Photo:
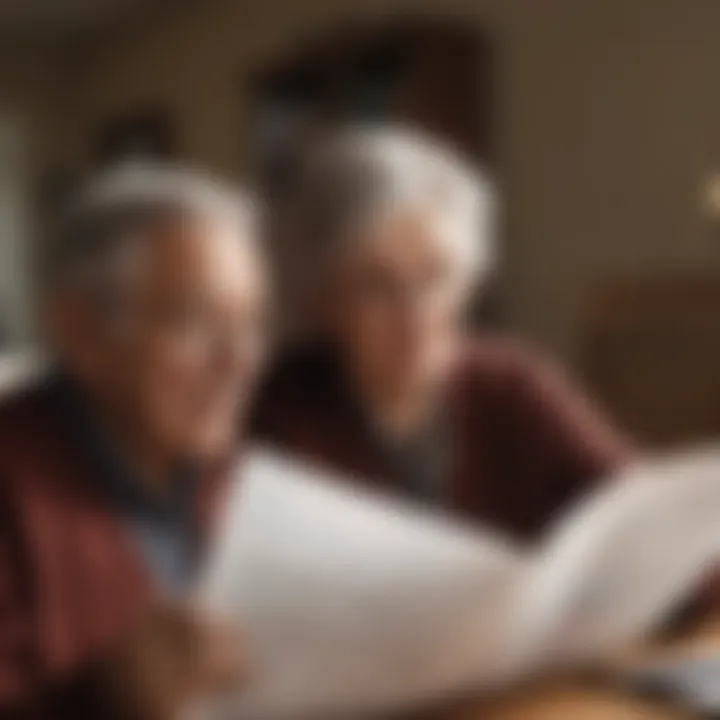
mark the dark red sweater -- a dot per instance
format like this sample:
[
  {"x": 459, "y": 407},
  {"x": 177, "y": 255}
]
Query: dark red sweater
[
  {"x": 524, "y": 442},
  {"x": 71, "y": 578}
]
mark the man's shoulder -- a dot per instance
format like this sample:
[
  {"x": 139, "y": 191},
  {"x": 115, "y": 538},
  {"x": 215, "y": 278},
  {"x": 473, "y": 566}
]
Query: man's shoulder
[
  {"x": 19, "y": 409},
  {"x": 27, "y": 426}
]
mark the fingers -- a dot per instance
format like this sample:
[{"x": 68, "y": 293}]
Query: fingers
[
  {"x": 204, "y": 652},
  {"x": 177, "y": 654},
  {"x": 221, "y": 658}
]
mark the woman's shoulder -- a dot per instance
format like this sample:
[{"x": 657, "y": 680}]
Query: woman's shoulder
[
  {"x": 523, "y": 384},
  {"x": 502, "y": 363},
  {"x": 32, "y": 439}
]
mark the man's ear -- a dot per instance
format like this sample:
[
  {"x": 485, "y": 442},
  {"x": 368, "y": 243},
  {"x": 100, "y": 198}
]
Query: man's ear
[{"x": 71, "y": 325}]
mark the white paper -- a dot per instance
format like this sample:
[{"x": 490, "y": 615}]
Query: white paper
[
  {"x": 623, "y": 559},
  {"x": 351, "y": 603}
]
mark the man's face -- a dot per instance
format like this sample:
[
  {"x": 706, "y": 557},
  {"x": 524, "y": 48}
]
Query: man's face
[
  {"x": 180, "y": 353},
  {"x": 400, "y": 304}
]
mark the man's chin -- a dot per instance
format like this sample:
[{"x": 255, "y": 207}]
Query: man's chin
[{"x": 210, "y": 447}]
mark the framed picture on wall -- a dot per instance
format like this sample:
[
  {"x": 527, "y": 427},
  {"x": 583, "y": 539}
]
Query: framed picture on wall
[
  {"x": 420, "y": 72},
  {"x": 140, "y": 135}
]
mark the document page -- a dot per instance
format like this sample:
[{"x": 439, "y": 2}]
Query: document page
[
  {"x": 622, "y": 560},
  {"x": 351, "y": 603}
]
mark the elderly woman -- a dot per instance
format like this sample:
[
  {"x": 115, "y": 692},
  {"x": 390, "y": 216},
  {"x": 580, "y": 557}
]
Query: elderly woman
[
  {"x": 153, "y": 304},
  {"x": 393, "y": 389}
]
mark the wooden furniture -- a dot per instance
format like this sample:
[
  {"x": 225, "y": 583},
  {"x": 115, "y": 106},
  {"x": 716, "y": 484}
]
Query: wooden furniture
[
  {"x": 565, "y": 700},
  {"x": 433, "y": 75},
  {"x": 568, "y": 703}
]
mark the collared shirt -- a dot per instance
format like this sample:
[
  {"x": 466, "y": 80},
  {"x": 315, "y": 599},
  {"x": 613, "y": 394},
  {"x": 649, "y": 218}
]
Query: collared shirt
[
  {"x": 163, "y": 527},
  {"x": 418, "y": 463}
]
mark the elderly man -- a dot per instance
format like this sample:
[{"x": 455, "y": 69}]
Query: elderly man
[
  {"x": 110, "y": 468},
  {"x": 392, "y": 388}
]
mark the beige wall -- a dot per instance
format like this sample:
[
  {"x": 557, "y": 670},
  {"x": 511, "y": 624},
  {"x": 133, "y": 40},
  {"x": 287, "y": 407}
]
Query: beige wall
[
  {"x": 608, "y": 117},
  {"x": 612, "y": 120},
  {"x": 35, "y": 88},
  {"x": 35, "y": 122}
]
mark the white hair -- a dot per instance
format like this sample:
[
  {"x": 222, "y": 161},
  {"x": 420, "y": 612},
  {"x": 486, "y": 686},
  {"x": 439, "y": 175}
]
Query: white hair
[
  {"x": 126, "y": 202},
  {"x": 365, "y": 174}
]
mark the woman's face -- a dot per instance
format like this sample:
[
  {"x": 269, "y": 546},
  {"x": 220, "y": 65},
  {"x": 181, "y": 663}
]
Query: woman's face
[{"x": 400, "y": 296}]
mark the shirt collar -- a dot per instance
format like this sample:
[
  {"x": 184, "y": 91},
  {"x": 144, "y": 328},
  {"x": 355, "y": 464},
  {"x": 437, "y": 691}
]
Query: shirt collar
[{"x": 119, "y": 479}]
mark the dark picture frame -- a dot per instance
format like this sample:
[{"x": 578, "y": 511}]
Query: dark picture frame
[{"x": 145, "y": 134}]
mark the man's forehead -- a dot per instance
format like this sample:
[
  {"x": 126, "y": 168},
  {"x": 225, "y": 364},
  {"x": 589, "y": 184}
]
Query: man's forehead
[{"x": 199, "y": 250}]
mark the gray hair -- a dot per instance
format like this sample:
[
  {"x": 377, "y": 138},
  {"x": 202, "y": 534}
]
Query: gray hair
[
  {"x": 125, "y": 203},
  {"x": 365, "y": 173}
]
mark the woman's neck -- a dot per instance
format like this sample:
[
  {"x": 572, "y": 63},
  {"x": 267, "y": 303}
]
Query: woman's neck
[{"x": 400, "y": 412}]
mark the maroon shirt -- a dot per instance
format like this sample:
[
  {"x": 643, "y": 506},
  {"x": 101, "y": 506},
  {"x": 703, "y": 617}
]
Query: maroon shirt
[
  {"x": 71, "y": 577},
  {"x": 522, "y": 441}
]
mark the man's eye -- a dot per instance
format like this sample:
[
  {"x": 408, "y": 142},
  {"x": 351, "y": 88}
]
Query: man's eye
[
  {"x": 377, "y": 285},
  {"x": 437, "y": 276},
  {"x": 184, "y": 315}
]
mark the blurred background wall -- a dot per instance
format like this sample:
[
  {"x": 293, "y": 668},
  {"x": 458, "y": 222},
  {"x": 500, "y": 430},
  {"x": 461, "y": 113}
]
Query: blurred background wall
[{"x": 605, "y": 118}]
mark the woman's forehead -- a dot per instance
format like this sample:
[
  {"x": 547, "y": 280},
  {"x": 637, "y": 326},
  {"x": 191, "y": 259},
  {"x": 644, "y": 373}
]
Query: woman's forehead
[{"x": 406, "y": 236}]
